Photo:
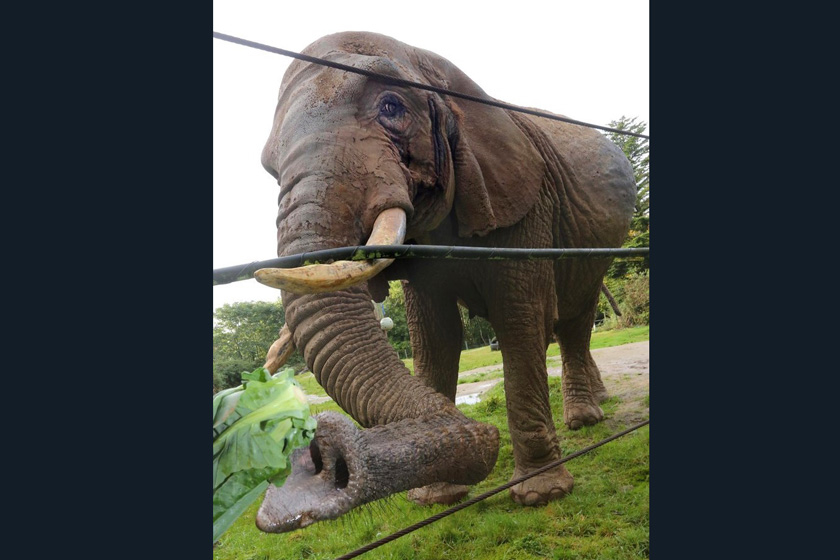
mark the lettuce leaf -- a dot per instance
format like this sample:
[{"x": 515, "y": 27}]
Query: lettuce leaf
[{"x": 256, "y": 426}]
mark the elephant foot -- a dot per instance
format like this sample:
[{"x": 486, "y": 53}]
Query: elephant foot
[
  {"x": 596, "y": 385},
  {"x": 551, "y": 485},
  {"x": 438, "y": 493},
  {"x": 600, "y": 395},
  {"x": 579, "y": 414}
]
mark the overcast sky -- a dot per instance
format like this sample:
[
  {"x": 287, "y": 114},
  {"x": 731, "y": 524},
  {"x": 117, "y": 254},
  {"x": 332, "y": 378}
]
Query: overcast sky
[{"x": 585, "y": 60}]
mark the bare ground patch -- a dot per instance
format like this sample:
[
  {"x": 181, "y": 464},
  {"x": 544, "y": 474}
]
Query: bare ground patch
[{"x": 624, "y": 369}]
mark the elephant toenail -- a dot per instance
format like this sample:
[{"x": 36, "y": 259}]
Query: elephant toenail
[
  {"x": 531, "y": 498},
  {"x": 556, "y": 493}
]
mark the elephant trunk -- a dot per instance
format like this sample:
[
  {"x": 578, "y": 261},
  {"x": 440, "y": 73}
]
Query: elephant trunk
[
  {"x": 348, "y": 352},
  {"x": 416, "y": 437},
  {"x": 351, "y": 467}
]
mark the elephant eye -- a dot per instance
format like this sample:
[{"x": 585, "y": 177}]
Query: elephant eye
[{"x": 391, "y": 108}]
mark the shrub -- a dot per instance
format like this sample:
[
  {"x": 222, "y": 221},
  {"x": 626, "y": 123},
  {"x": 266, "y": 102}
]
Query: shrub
[
  {"x": 632, "y": 293},
  {"x": 637, "y": 298},
  {"x": 227, "y": 372}
]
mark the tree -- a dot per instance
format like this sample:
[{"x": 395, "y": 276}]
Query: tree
[
  {"x": 394, "y": 307},
  {"x": 242, "y": 334},
  {"x": 477, "y": 330},
  {"x": 637, "y": 151}
]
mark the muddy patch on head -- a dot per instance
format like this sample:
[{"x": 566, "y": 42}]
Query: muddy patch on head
[{"x": 327, "y": 85}]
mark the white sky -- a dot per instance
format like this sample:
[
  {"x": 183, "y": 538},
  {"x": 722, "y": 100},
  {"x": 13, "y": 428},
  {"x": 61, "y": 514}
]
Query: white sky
[{"x": 585, "y": 60}]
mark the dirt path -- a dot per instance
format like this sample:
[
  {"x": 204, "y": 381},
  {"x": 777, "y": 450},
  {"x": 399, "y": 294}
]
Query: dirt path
[{"x": 625, "y": 371}]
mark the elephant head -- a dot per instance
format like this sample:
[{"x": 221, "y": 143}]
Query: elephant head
[{"x": 358, "y": 160}]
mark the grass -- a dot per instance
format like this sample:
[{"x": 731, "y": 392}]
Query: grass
[
  {"x": 482, "y": 357},
  {"x": 604, "y": 339},
  {"x": 309, "y": 384},
  {"x": 607, "y": 515},
  {"x": 475, "y": 377}
]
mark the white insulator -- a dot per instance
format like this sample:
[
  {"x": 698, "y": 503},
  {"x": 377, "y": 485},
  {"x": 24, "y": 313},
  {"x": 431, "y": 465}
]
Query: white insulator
[{"x": 386, "y": 323}]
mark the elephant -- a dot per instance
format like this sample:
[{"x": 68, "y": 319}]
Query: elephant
[{"x": 360, "y": 161}]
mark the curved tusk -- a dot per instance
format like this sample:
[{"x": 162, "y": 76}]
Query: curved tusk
[
  {"x": 389, "y": 229},
  {"x": 280, "y": 350}
]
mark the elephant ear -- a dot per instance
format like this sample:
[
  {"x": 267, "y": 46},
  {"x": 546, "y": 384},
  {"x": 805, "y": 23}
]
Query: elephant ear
[{"x": 498, "y": 170}]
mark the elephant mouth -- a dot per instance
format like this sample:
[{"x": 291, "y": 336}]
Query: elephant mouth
[
  {"x": 324, "y": 482},
  {"x": 389, "y": 229}
]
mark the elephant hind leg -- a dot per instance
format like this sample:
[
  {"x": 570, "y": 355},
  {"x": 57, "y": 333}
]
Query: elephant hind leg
[
  {"x": 583, "y": 389},
  {"x": 522, "y": 330},
  {"x": 434, "y": 326}
]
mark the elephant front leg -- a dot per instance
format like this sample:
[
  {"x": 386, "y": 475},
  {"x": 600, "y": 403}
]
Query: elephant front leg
[
  {"x": 436, "y": 335},
  {"x": 583, "y": 388},
  {"x": 530, "y": 420}
]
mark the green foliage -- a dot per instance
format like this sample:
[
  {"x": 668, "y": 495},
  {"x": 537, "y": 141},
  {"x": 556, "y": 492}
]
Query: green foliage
[
  {"x": 477, "y": 330},
  {"x": 394, "y": 306},
  {"x": 256, "y": 426},
  {"x": 242, "y": 334},
  {"x": 227, "y": 370},
  {"x": 637, "y": 299},
  {"x": 632, "y": 293},
  {"x": 241, "y": 330}
]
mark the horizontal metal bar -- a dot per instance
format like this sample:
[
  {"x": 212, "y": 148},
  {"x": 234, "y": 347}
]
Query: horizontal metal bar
[{"x": 365, "y": 252}]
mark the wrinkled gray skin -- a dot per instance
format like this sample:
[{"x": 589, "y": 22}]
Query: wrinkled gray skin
[{"x": 343, "y": 148}]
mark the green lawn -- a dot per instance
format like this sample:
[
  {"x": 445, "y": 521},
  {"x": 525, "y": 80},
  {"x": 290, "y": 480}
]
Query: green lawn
[
  {"x": 480, "y": 357},
  {"x": 607, "y": 515}
]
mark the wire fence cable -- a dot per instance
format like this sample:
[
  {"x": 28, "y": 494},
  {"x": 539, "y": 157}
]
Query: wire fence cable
[
  {"x": 407, "y": 83},
  {"x": 484, "y": 496},
  {"x": 240, "y": 272}
]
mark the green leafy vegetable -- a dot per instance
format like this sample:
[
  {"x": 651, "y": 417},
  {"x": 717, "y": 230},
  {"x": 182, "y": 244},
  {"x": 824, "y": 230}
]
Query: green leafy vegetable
[{"x": 256, "y": 426}]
